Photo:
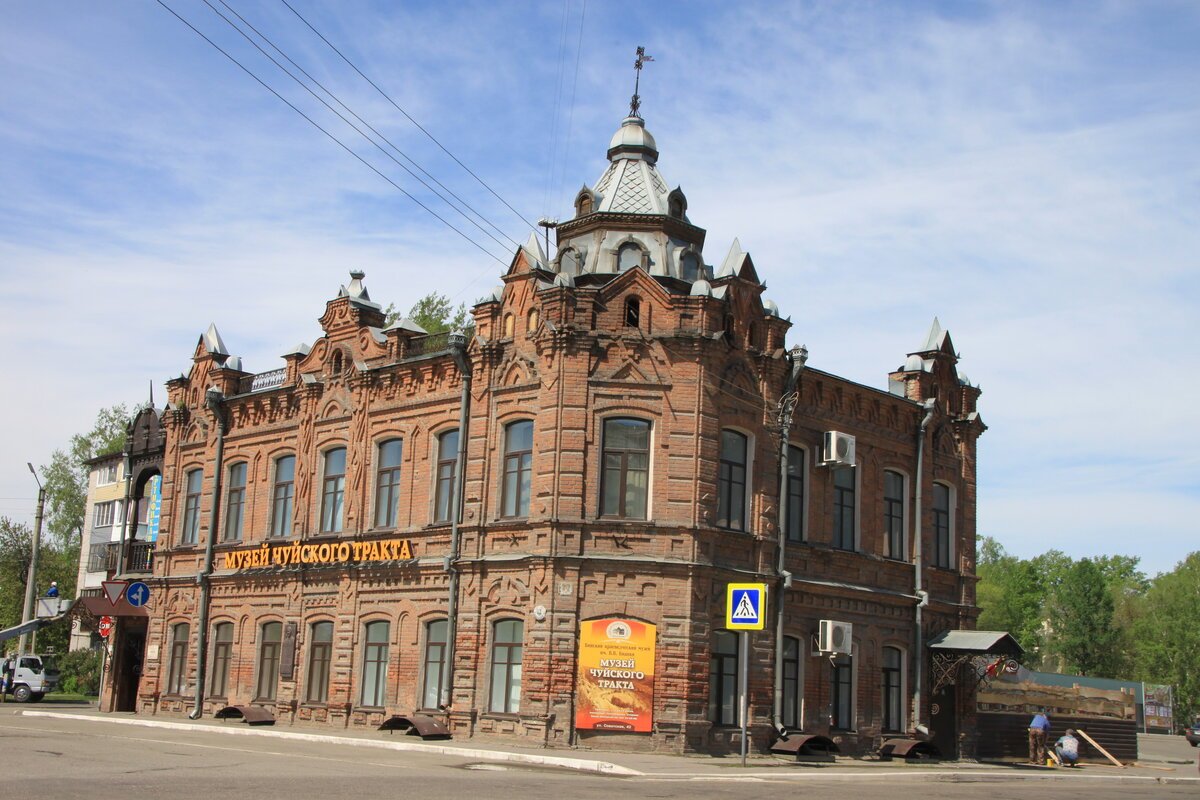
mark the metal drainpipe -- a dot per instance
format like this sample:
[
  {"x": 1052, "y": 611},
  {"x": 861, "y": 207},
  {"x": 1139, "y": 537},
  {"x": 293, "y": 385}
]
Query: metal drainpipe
[
  {"x": 213, "y": 398},
  {"x": 787, "y": 406},
  {"x": 922, "y": 595},
  {"x": 458, "y": 350},
  {"x": 123, "y": 550}
]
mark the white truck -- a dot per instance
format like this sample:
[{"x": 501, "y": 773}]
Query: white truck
[{"x": 28, "y": 677}]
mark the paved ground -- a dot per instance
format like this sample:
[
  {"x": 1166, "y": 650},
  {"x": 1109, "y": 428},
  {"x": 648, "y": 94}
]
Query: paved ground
[
  {"x": 1160, "y": 748},
  {"x": 53, "y": 752}
]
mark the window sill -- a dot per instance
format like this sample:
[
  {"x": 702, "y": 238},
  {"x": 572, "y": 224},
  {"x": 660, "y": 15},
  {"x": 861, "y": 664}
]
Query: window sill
[{"x": 504, "y": 715}]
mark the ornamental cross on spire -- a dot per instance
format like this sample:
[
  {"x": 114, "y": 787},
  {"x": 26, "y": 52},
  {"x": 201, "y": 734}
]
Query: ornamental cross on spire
[{"x": 635, "y": 102}]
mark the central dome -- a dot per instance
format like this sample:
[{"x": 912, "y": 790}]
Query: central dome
[{"x": 632, "y": 139}]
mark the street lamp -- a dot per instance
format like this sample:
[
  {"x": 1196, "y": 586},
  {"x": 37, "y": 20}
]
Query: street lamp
[{"x": 27, "y": 614}]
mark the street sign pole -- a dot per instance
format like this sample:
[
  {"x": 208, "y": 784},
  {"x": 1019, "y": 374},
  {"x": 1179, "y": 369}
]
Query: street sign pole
[{"x": 743, "y": 687}]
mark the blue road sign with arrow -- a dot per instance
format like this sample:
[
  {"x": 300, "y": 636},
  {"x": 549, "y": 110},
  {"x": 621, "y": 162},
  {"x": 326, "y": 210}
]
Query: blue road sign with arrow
[{"x": 138, "y": 594}]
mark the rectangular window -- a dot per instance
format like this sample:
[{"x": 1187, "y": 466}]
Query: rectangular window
[
  {"x": 235, "y": 502},
  {"x": 102, "y": 515},
  {"x": 843, "y": 507},
  {"x": 319, "y": 653},
  {"x": 222, "y": 653},
  {"x": 893, "y": 514},
  {"x": 507, "y": 652},
  {"x": 893, "y": 709},
  {"x": 795, "y": 494},
  {"x": 268, "y": 660},
  {"x": 941, "y": 525},
  {"x": 842, "y": 688},
  {"x": 626, "y": 468},
  {"x": 723, "y": 679},
  {"x": 191, "y": 508},
  {"x": 375, "y": 664},
  {"x": 387, "y": 483},
  {"x": 177, "y": 674},
  {"x": 792, "y": 687},
  {"x": 281, "y": 496},
  {"x": 435, "y": 658},
  {"x": 447, "y": 459},
  {"x": 107, "y": 474},
  {"x": 518, "y": 460},
  {"x": 731, "y": 482},
  {"x": 333, "y": 493}
]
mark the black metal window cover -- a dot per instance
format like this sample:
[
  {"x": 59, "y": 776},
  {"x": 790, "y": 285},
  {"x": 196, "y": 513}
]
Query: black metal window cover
[{"x": 959, "y": 657}]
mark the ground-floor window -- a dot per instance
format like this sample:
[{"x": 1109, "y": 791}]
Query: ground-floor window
[
  {"x": 435, "y": 657},
  {"x": 268, "y": 660},
  {"x": 222, "y": 652},
  {"x": 792, "y": 687},
  {"x": 893, "y": 704},
  {"x": 318, "y": 662},
  {"x": 842, "y": 687},
  {"x": 507, "y": 650},
  {"x": 723, "y": 679},
  {"x": 375, "y": 663},
  {"x": 177, "y": 673}
]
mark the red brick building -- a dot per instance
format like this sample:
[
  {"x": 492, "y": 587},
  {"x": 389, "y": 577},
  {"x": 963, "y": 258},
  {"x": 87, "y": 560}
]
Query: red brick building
[{"x": 636, "y": 435}]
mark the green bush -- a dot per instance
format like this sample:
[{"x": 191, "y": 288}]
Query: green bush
[{"x": 79, "y": 672}]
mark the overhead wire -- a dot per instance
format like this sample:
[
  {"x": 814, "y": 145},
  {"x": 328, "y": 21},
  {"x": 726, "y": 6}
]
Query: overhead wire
[
  {"x": 335, "y": 139},
  {"x": 556, "y": 110},
  {"x": 571, "y": 109},
  {"x": 420, "y": 127},
  {"x": 301, "y": 83}
]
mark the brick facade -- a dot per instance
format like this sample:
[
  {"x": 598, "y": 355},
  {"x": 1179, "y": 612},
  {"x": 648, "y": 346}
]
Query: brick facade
[{"x": 566, "y": 353}]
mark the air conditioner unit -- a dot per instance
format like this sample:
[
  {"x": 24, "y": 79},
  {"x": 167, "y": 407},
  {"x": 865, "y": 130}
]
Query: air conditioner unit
[
  {"x": 838, "y": 449},
  {"x": 835, "y": 637}
]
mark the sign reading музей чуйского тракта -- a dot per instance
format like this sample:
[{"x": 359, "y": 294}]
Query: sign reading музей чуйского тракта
[{"x": 635, "y": 434}]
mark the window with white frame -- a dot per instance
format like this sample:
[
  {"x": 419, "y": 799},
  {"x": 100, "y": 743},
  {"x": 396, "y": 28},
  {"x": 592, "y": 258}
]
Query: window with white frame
[
  {"x": 507, "y": 656},
  {"x": 102, "y": 514},
  {"x": 333, "y": 493},
  {"x": 106, "y": 474},
  {"x": 518, "y": 468},
  {"x": 435, "y": 659},
  {"x": 282, "y": 496},
  {"x": 375, "y": 663},
  {"x": 387, "y": 483}
]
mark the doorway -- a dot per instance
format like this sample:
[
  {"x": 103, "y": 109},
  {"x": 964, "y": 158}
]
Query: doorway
[
  {"x": 127, "y": 671},
  {"x": 943, "y": 719}
]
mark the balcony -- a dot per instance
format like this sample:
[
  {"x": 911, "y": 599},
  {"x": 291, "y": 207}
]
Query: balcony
[{"x": 105, "y": 556}]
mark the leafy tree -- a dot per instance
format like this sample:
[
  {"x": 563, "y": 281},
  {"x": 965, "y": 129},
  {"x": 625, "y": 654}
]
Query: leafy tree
[
  {"x": 66, "y": 476},
  {"x": 435, "y": 313},
  {"x": 1167, "y": 635},
  {"x": 1010, "y": 594},
  {"x": 1083, "y": 621},
  {"x": 54, "y": 563}
]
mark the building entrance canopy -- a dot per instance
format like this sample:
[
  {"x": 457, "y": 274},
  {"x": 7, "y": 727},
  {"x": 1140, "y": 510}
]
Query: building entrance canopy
[{"x": 972, "y": 657}]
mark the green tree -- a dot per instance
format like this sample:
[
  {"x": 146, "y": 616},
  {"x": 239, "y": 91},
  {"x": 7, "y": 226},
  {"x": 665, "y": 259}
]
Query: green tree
[
  {"x": 58, "y": 563},
  {"x": 1010, "y": 594},
  {"x": 1084, "y": 634},
  {"x": 435, "y": 313},
  {"x": 1167, "y": 633},
  {"x": 66, "y": 476}
]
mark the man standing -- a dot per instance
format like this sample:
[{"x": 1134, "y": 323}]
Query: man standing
[{"x": 1038, "y": 727}]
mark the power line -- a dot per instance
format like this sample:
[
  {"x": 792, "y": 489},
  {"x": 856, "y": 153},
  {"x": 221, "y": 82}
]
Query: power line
[
  {"x": 571, "y": 108},
  {"x": 387, "y": 97},
  {"x": 351, "y": 111},
  {"x": 336, "y": 140},
  {"x": 555, "y": 114},
  {"x": 319, "y": 99}
]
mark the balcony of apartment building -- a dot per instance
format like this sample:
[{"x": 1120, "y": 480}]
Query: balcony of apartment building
[{"x": 105, "y": 557}]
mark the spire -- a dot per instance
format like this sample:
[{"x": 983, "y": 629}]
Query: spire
[
  {"x": 934, "y": 340},
  {"x": 533, "y": 247},
  {"x": 212, "y": 341},
  {"x": 635, "y": 102}
]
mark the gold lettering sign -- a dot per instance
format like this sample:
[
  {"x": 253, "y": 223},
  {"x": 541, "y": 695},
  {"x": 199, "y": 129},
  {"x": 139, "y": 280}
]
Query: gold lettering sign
[{"x": 290, "y": 553}]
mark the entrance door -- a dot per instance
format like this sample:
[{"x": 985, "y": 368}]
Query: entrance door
[
  {"x": 129, "y": 665},
  {"x": 943, "y": 719}
]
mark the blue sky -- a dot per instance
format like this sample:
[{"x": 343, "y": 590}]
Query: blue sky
[{"x": 1026, "y": 172}]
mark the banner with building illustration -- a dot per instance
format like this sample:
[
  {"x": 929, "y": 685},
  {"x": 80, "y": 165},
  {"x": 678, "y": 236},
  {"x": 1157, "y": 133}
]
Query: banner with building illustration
[
  {"x": 616, "y": 675},
  {"x": 1158, "y": 707}
]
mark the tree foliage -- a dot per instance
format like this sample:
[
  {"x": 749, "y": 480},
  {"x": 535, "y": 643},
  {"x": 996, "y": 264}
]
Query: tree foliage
[
  {"x": 54, "y": 564},
  {"x": 1167, "y": 635},
  {"x": 66, "y": 476},
  {"x": 1082, "y": 621},
  {"x": 435, "y": 313}
]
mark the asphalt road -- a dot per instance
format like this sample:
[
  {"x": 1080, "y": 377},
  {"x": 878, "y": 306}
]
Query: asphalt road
[
  {"x": 1161, "y": 747},
  {"x": 60, "y": 758}
]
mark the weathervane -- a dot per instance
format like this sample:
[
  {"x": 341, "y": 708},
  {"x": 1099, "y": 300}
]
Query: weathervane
[{"x": 636, "y": 101}]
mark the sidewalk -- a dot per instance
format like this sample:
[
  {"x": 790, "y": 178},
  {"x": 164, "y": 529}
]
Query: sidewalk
[{"x": 649, "y": 766}]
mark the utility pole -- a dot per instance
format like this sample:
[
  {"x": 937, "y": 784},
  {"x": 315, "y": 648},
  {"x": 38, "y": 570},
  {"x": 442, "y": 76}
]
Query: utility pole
[{"x": 27, "y": 613}]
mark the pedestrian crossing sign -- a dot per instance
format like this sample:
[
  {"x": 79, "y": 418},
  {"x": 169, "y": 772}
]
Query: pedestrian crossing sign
[{"x": 745, "y": 606}]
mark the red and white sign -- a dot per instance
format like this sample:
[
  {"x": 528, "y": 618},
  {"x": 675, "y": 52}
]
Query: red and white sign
[
  {"x": 105, "y": 626},
  {"x": 114, "y": 590}
]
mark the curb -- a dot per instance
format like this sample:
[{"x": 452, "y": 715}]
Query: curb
[{"x": 577, "y": 764}]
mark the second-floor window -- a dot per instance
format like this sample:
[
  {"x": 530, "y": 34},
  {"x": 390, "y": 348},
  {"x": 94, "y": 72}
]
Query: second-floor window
[
  {"x": 191, "y": 508},
  {"x": 235, "y": 502},
  {"x": 843, "y": 508},
  {"x": 447, "y": 459},
  {"x": 795, "y": 494},
  {"x": 333, "y": 491},
  {"x": 893, "y": 514},
  {"x": 387, "y": 483},
  {"x": 731, "y": 482},
  {"x": 282, "y": 496},
  {"x": 941, "y": 525},
  {"x": 626, "y": 468},
  {"x": 518, "y": 459},
  {"x": 103, "y": 513}
]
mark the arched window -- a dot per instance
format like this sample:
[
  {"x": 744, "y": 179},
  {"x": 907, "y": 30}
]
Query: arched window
[
  {"x": 387, "y": 483},
  {"x": 191, "y": 507},
  {"x": 508, "y": 325},
  {"x": 723, "y": 679},
  {"x": 235, "y": 502},
  {"x": 633, "y": 312},
  {"x": 333, "y": 491},
  {"x": 282, "y": 495},
  {"x": 531, "y": 321},
  {"x": 320, "y": 651},
  {"x": 435, "y": 659},
  {"x": 892, "y": 689},
  {"x": 583, "y": 203},
  {"x": 375, "y": 663},
  {"x": 689, "y": 267},
  {"x": 518, "y": 461},
  {"x": 336, "y": 364},
  {"x": 508, "y": 637},
  {"x": 731, "y": 481},
  {"x": 629, "y": 255},
  {"x": 447, "y": 459},
  {"x": 942, "y": 541},
  {"x": 268, "y": 660},
  {"x": 221, "y": 656},
  {"x": 893, "y": 514},
  {"x": 177, "y": 674},
  {"x": 626, "y": 468}
]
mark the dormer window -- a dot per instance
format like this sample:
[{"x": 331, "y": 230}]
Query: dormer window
[
  {"x": 583, "y": 203},
  {"x": 633, "y": 312},
  {"x": 629, "y": 256},
  {"x": 676, "y": 204}
]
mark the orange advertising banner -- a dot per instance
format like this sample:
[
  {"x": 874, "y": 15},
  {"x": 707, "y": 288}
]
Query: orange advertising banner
[{"x": 616, "y": 675}]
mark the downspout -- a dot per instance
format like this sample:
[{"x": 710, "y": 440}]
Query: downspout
[
  {"x": 918, "y": 587},
  {"x": 214, "y": 399},
  {"x": 787, "y": 406},
  {"x": 458, "y": 350},
  {"x": 130, "y": 514}
]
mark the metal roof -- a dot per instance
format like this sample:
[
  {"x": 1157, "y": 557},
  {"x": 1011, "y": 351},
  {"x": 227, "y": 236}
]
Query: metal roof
[{"x": 996, "y": 642}]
